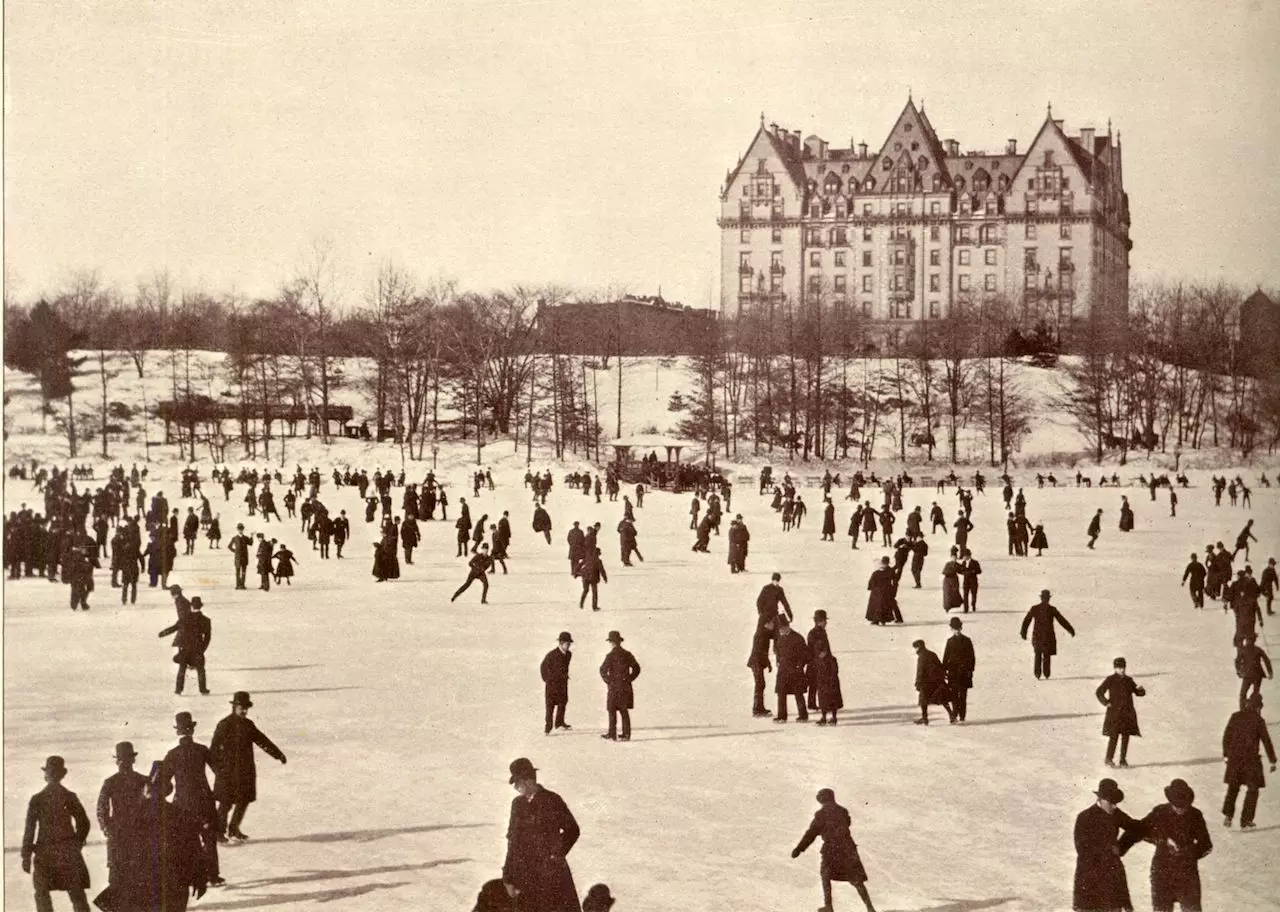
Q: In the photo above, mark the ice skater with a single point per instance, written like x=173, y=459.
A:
x=1116, y=693
x=480, y=564
x=1044, y=639
x=1095, y=528
x=839, y=853
x=619, y=671
x=231, y=756
x=555, y=678
x=52, y=840
x=1245, y=734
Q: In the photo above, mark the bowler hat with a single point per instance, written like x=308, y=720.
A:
x=56, y=765
x=598, y=899
x=522, y=768
x=564, y=637
x=1108, y=791
x=956, y=624
x=493, y=898
x=917, y=644
x=125, y=751
x=241, y=698
x=825, y=795
x=183, y=724
x=820, y=615
x=196, y=603
x=775, y=577
x=1179, y=793
x=613, y=637
x=175, y=589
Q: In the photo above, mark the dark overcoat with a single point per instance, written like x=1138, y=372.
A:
x=231, y=753
x=880, y=601
x=55, y=832
x=540, y=835
x=951, y=597
x=1116, y=693
x=1044, y=638
x=1246, y=733
x=1175, y=874
x=825, y=673
x=793, y=656
x=840, y=859
x=958, y=661
x=555, y=674
x=1100, y=883
x=618, y=670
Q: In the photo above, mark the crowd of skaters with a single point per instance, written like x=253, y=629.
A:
x=807, y=668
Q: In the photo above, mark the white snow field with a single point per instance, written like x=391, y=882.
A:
x=400, y=712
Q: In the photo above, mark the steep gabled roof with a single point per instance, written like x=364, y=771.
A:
x=789, y=158
x=912, y=126
x=1082, y=160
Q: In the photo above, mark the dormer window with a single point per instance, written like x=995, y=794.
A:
x=869, y=184
x=815, y=209
x=937, y=183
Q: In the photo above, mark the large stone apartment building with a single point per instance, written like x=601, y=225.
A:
x=911, y=230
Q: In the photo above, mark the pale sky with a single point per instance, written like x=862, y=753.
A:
x=584, y=143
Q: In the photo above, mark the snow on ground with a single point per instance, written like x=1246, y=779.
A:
x=400, y=711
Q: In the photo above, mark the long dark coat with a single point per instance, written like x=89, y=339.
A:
x=618, y=670
x=1100, y=883
x=231, y=753
x=555, y=674
x=1043, y=636
x=121, y=811
x=958, y=661
x=1246, y=733
x=540, y=835
x=760, y=641
x=1038, y=539
x=931, y=679
x=951, y=597
x=829, y=519
x=1175, y=873
x=880, y=601
x=825, y=673
x=55, y=832
x=793, y=656
x=840, y=859
x=1116, y=693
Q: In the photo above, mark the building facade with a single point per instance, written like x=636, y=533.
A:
x=918, y=229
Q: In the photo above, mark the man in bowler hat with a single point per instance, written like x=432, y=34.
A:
x=618, y=670
x=931, y=682
x=121, y=816
x=194, y=632
x=183, y=771
x=1245, y=735
x=231, y=752
x=1100, y=883
x=1044, y=640
x=958, y=663
x=540, y=835
x=1178, y=831
x=52, y=840
x=555, y=676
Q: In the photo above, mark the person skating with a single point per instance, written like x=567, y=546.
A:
x=266, y=547
x=958, y=663
x=555, y=677
x=239, y=548
x=951, y=597
x=839, y=854
x=540, y=834
x=480, y=564
x=341, y=531
x=627, y=542
x=772, y=597
x=919, y=550
x=190, y=529
x=618, y=671
x=1269, y=583
x=759, y=662
x=1241, y=597
x=1039, y=540
x=824, y=671
x=1100, y=884
x=53, y=840
x=194, y=633
x=1246, y=733
x=1044, y=638
x=236, y=776
x=285, y=560
x=129, y=573
x=1126, y=515
x=739, y=544
x=881, y=601
x=1195, y=573
x=1116, y=693
x=1178, y=831
x=592, y=572
x=793, y=657
x=1242, y=540
x=937, y=519
x=931, y=682
x=183, y=772
x=817, y=639
x=121, y=813
x=1252, y=665
x=1095, y=528
x=828, y=520
x=970, y=570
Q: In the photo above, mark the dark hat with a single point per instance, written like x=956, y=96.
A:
x=241, y=698
x=1179, y=793
x=175, y=589
x=917, y=644
x=125, y=751
x=239, y=525
x=564, y=637
x=819, y=615
x=1108, y=791
x=825, y=795
x=493, y=898
x=956, y=624
x=183, y=724
x=196, y=603
x=613, y=637
x=776, y=577
x=55, y=764
x=522, y=768
x=1119, y=662
x=598, y=899
x=1254, y=701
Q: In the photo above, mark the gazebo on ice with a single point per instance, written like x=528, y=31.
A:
x=638, y=458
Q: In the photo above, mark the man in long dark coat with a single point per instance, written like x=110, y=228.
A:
x=1178, y=831
x=121, y=812
x=931, y=682
x=239, y=548
x=793, y=657
x=817, y=641
x=1116, y=693
x=1246, y=733
x=183, y=772
x=970, y=570
x=409, y=537
x=555, y=677
x=231, y=753
x=739, y=542
x=958, y=662
x=1044, y=639
x=881, y=585
x=52, y=840
x=194, y=633
x=576, y=539
x=540, y=835
x=840, y=860
x=759, y=662
x=618, y=671
x=1100, y=884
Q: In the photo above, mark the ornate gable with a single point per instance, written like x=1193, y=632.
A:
x=911, y=158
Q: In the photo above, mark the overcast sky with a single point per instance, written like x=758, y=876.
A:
x=583, y=143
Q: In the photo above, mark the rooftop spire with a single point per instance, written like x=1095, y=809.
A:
x=1049, y=106
x=762, y=118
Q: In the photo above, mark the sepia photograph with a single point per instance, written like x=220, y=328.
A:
x=406, y=404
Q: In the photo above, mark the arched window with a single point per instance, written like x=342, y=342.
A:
x=981, y=180
x=1003, y=183
x=959, y=182
x=831, y=185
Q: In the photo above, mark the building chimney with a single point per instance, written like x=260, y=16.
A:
x=773, y=128
x=953, y=147
x=1086, y=140
x=796, y=142
x=862, y=150
x=1011, y=148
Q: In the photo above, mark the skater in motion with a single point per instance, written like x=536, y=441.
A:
x=540, y=835
x=1116, y=693
x=1195, y=573
x=55, y=832
x=931, y=683
x=480, y=565
x=1245, y=735
x=839, y=853
x=231, y=755
x=1242, y=540
x=194, y=633
x=592, y=571
x=1095, y=528
x=121, y=813
x=958, y=662
x=619, y=671
x=1044, y=639
x=1178, y=831
x=555, y=677
x=1100, y=882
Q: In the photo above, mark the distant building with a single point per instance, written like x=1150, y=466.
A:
x=910, y=231
x=1260, y=336
x=633, y=326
